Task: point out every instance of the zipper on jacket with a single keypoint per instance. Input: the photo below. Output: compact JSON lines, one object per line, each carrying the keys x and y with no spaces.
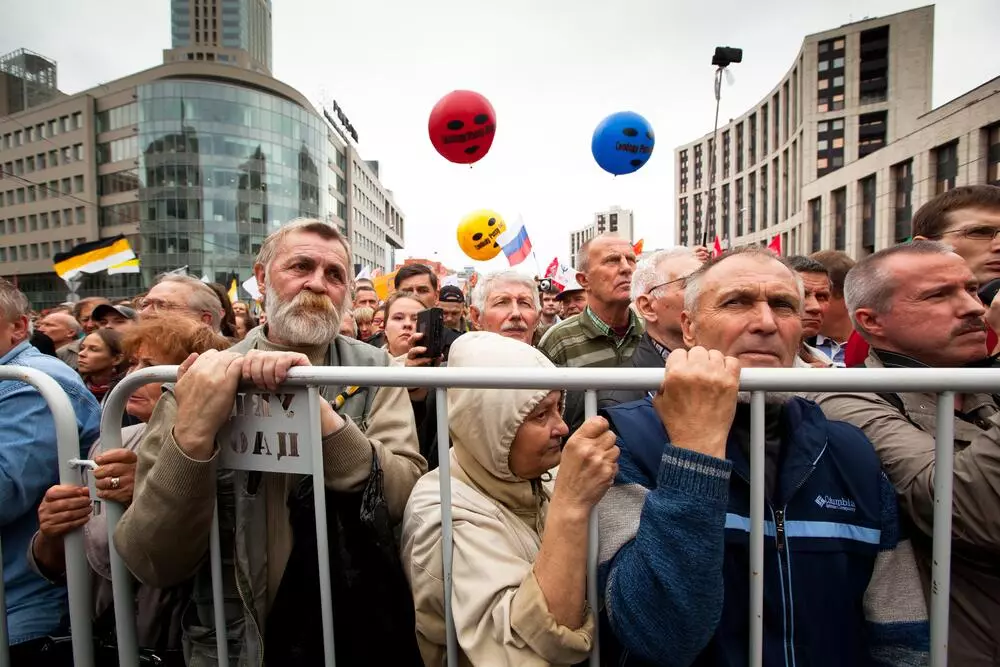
{"x":246,"y":608}
{"x":779,"y":529}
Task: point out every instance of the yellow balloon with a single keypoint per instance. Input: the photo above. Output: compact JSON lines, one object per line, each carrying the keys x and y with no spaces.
{"x":479,"y":233}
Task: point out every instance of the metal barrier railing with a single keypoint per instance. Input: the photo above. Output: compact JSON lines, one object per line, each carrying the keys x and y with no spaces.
{"x":77,"y":568}
{"x":758,"y":381}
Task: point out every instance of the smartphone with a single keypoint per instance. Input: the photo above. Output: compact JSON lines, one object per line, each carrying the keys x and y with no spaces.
{"x":989,"y":291}
{"x":430,"y":323}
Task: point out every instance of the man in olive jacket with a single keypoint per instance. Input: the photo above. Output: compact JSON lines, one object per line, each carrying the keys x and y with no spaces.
{"x":916,"y":306}
{"x":164,"y":534}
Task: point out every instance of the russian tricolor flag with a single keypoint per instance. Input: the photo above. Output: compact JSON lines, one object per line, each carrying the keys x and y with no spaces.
{"x":517,"y":247}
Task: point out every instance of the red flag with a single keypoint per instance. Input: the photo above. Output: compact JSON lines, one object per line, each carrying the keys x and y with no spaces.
{"x":637,"y":248}
{"x":717,"y":248}
{"x":553,"y":267}
{"x":775,"y":245}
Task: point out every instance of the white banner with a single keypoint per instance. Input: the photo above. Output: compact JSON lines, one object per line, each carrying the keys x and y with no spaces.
{"x":270,"y":432}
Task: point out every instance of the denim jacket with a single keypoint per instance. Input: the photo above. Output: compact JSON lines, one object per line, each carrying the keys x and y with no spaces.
{"x":28,"y":467}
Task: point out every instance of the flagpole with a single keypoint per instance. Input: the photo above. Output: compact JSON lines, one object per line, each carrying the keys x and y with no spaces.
{"x":538,"y":268}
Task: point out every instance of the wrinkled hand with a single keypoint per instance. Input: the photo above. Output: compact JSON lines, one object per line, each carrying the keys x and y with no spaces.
{"x":120,"y":464}
{"x":65,"y":507}
{"x":268,"y":370}
{"x":702,"y":253}
{"x":588,"y":466}
{"x":205,"y":392}
{"x":697,"y":399}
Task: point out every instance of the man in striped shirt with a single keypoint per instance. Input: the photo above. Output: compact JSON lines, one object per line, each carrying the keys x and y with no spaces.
{"x":606,"y":333}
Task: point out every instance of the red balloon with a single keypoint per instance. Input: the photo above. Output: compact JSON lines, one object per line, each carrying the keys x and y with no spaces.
{"x":462,"y":125}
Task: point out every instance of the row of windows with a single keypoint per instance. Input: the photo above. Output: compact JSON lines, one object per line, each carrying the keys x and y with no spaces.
{"x":114,"y":119}
{"x":42,"y":131}
{"x":32,"y":163}
{"x":41,"y":191}
{"x":126,"y":148}
{"x":42,"y":221}
{"x":43,"y":250}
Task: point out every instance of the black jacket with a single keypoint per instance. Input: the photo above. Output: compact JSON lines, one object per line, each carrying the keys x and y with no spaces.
{"x":645,"y":356}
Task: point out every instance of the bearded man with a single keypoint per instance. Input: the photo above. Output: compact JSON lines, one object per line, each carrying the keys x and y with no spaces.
{"x":164,"y":535}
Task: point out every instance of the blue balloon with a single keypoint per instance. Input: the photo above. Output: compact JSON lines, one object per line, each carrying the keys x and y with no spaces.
{"x":622,"y":143}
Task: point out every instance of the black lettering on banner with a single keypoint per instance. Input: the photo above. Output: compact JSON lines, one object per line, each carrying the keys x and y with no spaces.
{"x":288,"y":444}
{"x":239,"y":443}
{"x":262,"y":405}
{"x":463,"y":137}
{"x":260,"y":445}
{"x":490,"y":238}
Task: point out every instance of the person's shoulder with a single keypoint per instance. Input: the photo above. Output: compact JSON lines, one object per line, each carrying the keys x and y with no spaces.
{"x":556,"y":335}
{"x":353,"y":352}
{"x":843,"y":439}
{"x":51,"y":366}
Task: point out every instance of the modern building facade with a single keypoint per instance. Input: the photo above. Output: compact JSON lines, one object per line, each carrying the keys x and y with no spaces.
{"x":234,"y":32}
{"x":844,"y":148}
{"x":375,"y":224}
{"x":27,"y":79}
{"x":194,"y":162}
{"x":614,"y":220}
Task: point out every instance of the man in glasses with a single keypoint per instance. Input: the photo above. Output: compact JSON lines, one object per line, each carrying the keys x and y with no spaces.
{"x":184,"y":296}
{"x":658,"y":298}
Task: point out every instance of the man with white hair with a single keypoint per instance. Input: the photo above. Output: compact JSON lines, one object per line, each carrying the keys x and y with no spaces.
{"x":302,"y":269}
{"x":64,"y":330}
{"x":184,"y":296}
{"x":506,"y":302}
{"x":675,"y":527}
{"x":29,"y":465}
{"x":658,"y":297}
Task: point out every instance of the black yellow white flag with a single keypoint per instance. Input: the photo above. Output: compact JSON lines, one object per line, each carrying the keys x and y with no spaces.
{"x":93,"y":257}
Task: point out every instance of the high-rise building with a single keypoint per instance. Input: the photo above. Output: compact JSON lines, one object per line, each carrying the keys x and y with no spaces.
{"x":236,"y":32}
{"x":615,"y":220}
{"x":195,"y":162}
{"x":843,"y":150}
{"x":27,"y":80}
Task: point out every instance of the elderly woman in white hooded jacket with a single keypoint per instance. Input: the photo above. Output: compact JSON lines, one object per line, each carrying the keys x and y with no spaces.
{"x":519,"y":567}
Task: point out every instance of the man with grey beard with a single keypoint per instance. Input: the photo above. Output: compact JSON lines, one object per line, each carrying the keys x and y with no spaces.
{"x":674,"y":561}
{"x":367,"y":433}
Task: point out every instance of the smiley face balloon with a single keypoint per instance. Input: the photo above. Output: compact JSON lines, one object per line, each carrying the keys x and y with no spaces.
{"x":478,"y":234}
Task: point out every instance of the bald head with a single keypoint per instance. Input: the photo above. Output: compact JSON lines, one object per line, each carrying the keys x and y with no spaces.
{"x":62,"y":328}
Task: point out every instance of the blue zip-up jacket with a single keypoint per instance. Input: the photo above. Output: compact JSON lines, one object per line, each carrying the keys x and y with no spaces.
{"x":28,"y":467}
{"x":675,"y":552}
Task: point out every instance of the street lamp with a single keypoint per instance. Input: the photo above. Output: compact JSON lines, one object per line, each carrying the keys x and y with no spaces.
{"x":723,"y":58}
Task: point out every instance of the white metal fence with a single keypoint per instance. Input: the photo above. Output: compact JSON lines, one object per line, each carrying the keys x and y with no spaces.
{"x":304,"y":383}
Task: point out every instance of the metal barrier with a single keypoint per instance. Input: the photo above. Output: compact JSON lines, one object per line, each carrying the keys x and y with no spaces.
{"x":77,"y":568}
{"x":758,"y":381}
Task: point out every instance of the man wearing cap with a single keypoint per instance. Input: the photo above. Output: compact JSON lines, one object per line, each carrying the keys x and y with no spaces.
{"x":119,"y":318}
{"x":573,"y":299}
{"x":451,"y":301}
{"x":548,"y":316}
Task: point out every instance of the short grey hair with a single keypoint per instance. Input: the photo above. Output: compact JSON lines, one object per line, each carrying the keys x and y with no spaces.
{"x":869,"y":285}
{"x":13,"y":303}
{"x":326,"y":230}
{"x":491,"y":281}
{"x":648,"y":272}
{"x":583,"y":254}
{"x":692,"y":290}
{"x":202,"y":299}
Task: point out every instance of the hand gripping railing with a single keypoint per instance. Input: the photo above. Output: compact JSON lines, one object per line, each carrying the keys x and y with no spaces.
{"x":758,"y":381}
{"x":77,"y":569}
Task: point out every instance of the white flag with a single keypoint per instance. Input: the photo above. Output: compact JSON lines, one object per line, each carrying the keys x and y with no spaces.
{"x":450,"y":280}
{"x":250,"y":286}
{"x":364,"y":274}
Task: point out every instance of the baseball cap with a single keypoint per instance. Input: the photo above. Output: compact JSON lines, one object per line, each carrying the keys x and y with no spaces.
{"x":451,"y":294}
{"x":105,"y":309}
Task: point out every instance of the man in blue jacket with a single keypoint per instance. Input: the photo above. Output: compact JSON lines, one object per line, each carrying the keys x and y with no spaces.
{"x":29,"y":465}
{"x":675,"y":528}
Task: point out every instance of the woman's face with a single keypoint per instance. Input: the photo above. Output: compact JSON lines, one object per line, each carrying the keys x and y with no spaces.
{"x":95,"y":357}
{"x":378,"y":321}
{"x":537,"y":444}
{"x":365,"y":330}
{"x":401,"y":324}
{"x":239,"y":308}
{"x":142,"y":401}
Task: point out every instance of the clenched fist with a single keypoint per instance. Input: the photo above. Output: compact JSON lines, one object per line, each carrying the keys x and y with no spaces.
{"x":589,"y":465}
{"x":697,"y":399}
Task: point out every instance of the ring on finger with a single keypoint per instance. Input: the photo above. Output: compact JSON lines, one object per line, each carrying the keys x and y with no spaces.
{"x":116,"y":482}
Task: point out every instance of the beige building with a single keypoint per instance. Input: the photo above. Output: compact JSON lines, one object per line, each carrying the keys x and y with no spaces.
{"x":614,"y":220}
{"x":843,"y":150}
{"x":375,"y":224}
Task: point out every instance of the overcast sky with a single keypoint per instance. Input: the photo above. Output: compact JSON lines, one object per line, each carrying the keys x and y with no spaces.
{"x":552,"y":69}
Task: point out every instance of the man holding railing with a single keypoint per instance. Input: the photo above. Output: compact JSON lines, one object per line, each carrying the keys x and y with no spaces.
{"x":675,"y":557}
{"x":916,"y":306}
{"x":164,"y":535}
{"x":29,"y":465}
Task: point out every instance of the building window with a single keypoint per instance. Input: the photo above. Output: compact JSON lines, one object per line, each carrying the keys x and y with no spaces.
{"x":725,"y":210}
{"x":752,"y":146}
{"x":725,"y":154}
{"x":763,"y":132}
{"x":739,"y":206}
{"x":946,"y":163}
{"x":830,"y":75}
{"x":902,"y":177}
{"x":816,"y":223}
{"x":78,"y":184}
{"x":697,"y":219}
{"x":682,"y":169}
{"x":829,"y":146}
{"x":684,"y":222}
{"x":872,"y":129}
{"x":739,"y":147}
{"x":868,"y":202}
{"x":763,"y":197}
{"x":697,"y":167}
{"x":993,"y":154}
{"x":752,"y":203}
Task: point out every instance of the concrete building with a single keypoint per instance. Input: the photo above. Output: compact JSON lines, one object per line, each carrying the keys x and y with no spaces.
{"x":615,"y":219}
{"x":843,"y":150}
{"x":27,"y":79}
{"x":234,"y":32}
{"x":195,"y":162}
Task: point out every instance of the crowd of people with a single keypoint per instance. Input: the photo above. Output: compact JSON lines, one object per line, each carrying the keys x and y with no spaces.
{"x":849,"y":476}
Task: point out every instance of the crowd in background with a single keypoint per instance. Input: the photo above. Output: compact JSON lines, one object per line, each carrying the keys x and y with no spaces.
{"x":848,"y":475}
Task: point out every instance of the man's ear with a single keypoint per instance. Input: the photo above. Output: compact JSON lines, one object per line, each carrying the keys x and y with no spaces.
{"x":688,"y":329}
{"x":474,"y":315}
{"x":643,"y":306}
{"x":868,"y":320}
{"x":258,"y":272}
{"x":581,"y":279}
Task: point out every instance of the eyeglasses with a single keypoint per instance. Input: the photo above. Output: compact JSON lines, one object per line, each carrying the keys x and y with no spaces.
{"x":669,"y":282}
{"x":979,"y":233}
{"x":160,"y":305}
